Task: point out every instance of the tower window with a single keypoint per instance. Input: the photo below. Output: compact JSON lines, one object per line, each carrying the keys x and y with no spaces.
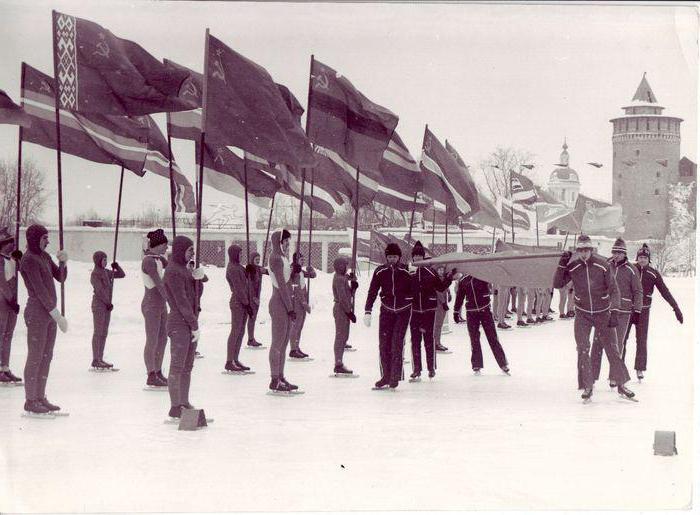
{"x":656,"y":191}
{"x":647,"y":123}
{"x":648,"y":212}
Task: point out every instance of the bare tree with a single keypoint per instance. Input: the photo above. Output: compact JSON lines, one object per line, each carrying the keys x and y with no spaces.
{"x":33,"y":193}
{"x":495,"y":169}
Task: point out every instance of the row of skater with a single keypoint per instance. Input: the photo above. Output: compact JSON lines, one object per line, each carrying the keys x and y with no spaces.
{"x":531,"y":306}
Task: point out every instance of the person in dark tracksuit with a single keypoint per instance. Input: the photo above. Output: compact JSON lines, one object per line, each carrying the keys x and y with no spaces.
{"x":281,"y":308}
{"x":301,"y":303}
{"x":182,"y":323}
{"x":102,"y":280}
{"x":425,"y":284}
{"x":241,"y":308}
{"x":255,"y":273}
{"x":9,"y":308}
{"x":41,"y":315}
{"x":628,"y":284}
{"x":392,"y":282}
{"x":476,"y":296}
{"x":597,"y":301}
{"x":443,"y":297}
{"x":153,"y":306}
{"x":344,"y":287}
{"x":650,"y":279}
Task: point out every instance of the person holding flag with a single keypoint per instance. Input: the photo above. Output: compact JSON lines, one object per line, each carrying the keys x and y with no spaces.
{"x":254,"y":272}
{"x":153,"y":306}
{"x":102,"y":281}
{"x":301,"y":303}
{"x":9,"y":308}
{"x":240,"y":306}
{"x":344,"y":287}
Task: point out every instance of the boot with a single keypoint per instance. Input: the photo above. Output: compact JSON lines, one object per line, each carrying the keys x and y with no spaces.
{"x":232,"y":367}
{"x":288,"y":384}
{"x":381,"y":383}
{"x":340,"y":369}
{"x":97,"y":363}
{"x":175,"y":411}
{"x":431,"y":373}
{"x":241,"y":366}
{"x":12,"y":377}
{"x":441,"y":348}
{"x":163,"y":380}
{"x":153,"y":379}
{"x":278,"y":386}
{"x":415,"y":374}
{"x":296,"y":354}
{"x":105,"y":364}
{"x":4,"y":378}
{"x":35,"y":407}
{"x":587,"y":393}
{"x":625,"y":392}
{"x":254,"y":343}
{"x":48,"y":405}
{"x":640,"y":374}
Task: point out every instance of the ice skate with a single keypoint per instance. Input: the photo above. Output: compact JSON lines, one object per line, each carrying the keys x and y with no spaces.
{"x":241,"y":366}
{"x":415,"y":377}
{"x":381,"y":384}
{"x":163,"y":380}
{"x":198,"y":355}
{"x":477,"y":371}
{"x":393,"y":385}
{"x":17,"y":381}
{"x":442,"y":349}
{"x":35,"y":409}
{"x":431,"y":373}
{"x":153,"y":383}
{"x":292,"y":387}
{"x":234,"y":368}
{"x":522,"y":324}
{"x":255,"y":345}
{"x":626,"y":393}
{"x":612,"y":384}
{"x":298,"y":355}
{"x":5,"y":380}
{"x":342,"y":371}
{"x":56,"y":410}
{"x":640,"y":375}
{"x":586,"y":395}
{"x":547,"y":318}
{"x":503,"y":326}
{"x":506,"y":370}
{"x":349,"y":348}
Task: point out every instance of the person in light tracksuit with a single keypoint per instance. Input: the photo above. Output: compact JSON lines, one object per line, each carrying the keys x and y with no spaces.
{"x":300,"y":298}
{"x":153,"y":306}
{"x":102,"y":281}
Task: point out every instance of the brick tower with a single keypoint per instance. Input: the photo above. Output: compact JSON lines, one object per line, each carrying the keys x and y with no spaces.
{"x":646,"y":152}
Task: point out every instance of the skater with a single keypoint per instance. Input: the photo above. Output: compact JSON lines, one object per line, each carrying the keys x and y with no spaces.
{"x":425,"y":284}
{"x":392,"y":282}
{"x":301,"y":303}
{"x":502,"y":298}
{"x":542,"y":305}
{"x":343,"y":313}
{"x":650,"y":278}
{"x":597,"y":301}
{"x":41,"y":315}
{"x":443,"y":297}
{"x":566,"y":301}
{"x":9,"y":308}
{"x":476,"y":296}
{"x":240,"y":306}
{"x":153,"y":306}
{"x":102,"y":280}
{"x":182,"y":325}
{"x":281,"y":309}
{"x":629,"y":285}
{"x":254,"y":272}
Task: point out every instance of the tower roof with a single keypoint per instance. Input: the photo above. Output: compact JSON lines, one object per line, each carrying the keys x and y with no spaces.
{"x":644,"y":92}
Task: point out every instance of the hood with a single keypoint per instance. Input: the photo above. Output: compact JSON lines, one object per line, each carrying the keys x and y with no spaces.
{"x":340,"y":265}
{"x":34,"y":234}
{"x":276,"y":239}
{"x":234,"y":254}
{"x":97,"y":258}
{"x":253,"y":255}
{"x":180,"y":246}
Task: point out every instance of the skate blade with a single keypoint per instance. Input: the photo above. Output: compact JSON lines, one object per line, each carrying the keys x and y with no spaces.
{"x":262,"y":347}
{"x":239,"y":373}
{"x":102,"y":370}
{"x":285,"y":394}
{"x":155,"y":388}
{"x":345,"y":376}
{"x":29,"y":414}
{"x":384,"y":389}
{"x":587,"y":401}
{"x":415,"y":380}
{"x":300,"y":359}
{"x":175,"y":420}
{"x":444,"y":351}
{"x":12,"y":384}
{"x":199,"y":356}
{"x":629,"y":399}
{"x":351,"y":350}
{"x":524,"y":326}
{"x":60,"y":413}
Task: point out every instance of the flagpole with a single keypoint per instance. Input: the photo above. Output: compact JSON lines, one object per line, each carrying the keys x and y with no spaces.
{"x":461,"y":229}
{"x":357,"y":212}
{"x":311,"y":230}
{"x":493,"y":239}
{"x":267,"y":235}
{"x":116,"y":231}
{"x":247,"y":219}
{"x":537,"y":226}
{"x":434,"y":222}
{"x":369,"y":259}
{"x":413,"y":213}
{"x":202,"y":141}
{"x":19,"y":185}
{"x":172,"y":182}
{"x":445,"y":231}
{"x":512,"y":208}
{"x":59,"y":175}
{"x":301,"y":207}
{"x":303,"y":170}
{"x":566,"y":238}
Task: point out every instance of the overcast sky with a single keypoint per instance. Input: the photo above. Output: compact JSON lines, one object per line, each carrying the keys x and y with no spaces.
{"x":524,"y":76}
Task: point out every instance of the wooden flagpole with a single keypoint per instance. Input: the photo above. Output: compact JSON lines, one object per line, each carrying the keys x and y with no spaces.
{"x":566,"y":238}
{"x":357,"y":213}
{"x":245,"y":193}
{"x":537,"y":226}
{"x":303,"y":170}
{"x":311,"y":230}
{"x":267,"y":234}
{"x":18,"y":217}
{"x":493,"y":239}
{"x":172,"y":182}
{"x":202,"y":142}
{"x":433,"y":224}
{"x":116,"y":229}
{"x":512,"y":207}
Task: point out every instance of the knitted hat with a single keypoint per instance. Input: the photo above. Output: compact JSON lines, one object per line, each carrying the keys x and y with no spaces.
{"x":5,"y":237}
{"x":619,"y":246}
{"x":644,"y":251}
{"x":285,"y":235}
{"x":156,"y":238}
{"x":392,"y":250}
{"x":584,"y":242}
{"x":418,"y":250}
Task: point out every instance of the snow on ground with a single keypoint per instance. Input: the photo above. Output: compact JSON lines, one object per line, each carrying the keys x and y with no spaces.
{"x":457,"y":442}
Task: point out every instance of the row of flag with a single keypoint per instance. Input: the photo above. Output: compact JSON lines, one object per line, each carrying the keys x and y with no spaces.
{"x":248,"y":135}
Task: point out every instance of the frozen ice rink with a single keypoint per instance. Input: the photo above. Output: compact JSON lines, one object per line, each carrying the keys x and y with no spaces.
{"x":458,"y":442}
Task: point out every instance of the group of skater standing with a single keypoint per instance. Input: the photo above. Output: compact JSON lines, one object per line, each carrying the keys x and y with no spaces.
{"x":610,"y":296}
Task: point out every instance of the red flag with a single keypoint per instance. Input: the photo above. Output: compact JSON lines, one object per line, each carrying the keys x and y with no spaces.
{"x":11,"y":113}
{"x":335,"y":175}
{"x":401,"y":178}
{"x":243,"y":108}
{"x":343,"y":120}
{"x":187,"y":124}
{"x":522,"y":189}
{"x":101,"y":73}
{"x":520,"y":214}
{"x":320,"y":201}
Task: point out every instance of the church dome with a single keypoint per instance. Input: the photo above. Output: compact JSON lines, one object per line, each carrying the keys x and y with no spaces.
{"x":564,"y":175}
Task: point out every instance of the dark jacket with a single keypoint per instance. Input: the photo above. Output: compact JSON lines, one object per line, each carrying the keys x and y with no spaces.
{"x":180,"y":288}
{"x":393,"y":285}
{"x":8,"y":281}
{"x":237,"y":278}
{"x":628,"y":284}
{"x":475,"y":293}
{"x":254,"y":273}
{"x":101,"y":280}
{"x":651,"y":278}
{"x":594,"y":287}
{"x":39,"y":272}
{"x":425,"y":284}
{"x":342,"y":293}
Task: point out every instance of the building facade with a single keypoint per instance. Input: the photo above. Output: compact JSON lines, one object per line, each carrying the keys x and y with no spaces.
{"x":646,"y":155}
{"x":563,"y":182}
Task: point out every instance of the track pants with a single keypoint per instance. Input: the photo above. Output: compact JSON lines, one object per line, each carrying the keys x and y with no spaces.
{"x":392,"y":330}
{"x":8,"y":321}
{"x":342,"y":332}
{"x":583,"y":324}
{"x":182,"y":350}
{"x":251,"y":322}
{"x":484,"y":318}
{"x":422,"y":327}
{"x":156,"y":335}
{"x":297,"y":327}
{"x":100,"y":320}
{"x":239,"y":316}
{"x":41,"y":337}
{"x":281,"y":328}
{"x":437,"y":326}
{"x":640,"y":332}
{"x":618,"y":336}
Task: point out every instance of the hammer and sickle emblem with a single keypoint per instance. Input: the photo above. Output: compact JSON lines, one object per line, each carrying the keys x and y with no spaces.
{"x":219,"y":156}
{"x":45,"y":87}
{"x":102,"y":47}
{"x":190,"y":89}
{"x":321,"y":81}
{"x":218,"y":67}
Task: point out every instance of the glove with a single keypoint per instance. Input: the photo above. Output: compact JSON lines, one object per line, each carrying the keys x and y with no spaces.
{"x":613,"y":319}
{"x":198,"y":274}
{"x":110,"y":307}
{"x":249,"y":310}
{"x":16,"y":255}
{"x":195,"y":335}
{"x":565,"y":258}
{"x":13,"y":306}
{"x":354,"y":285}
{"x":115,"y":266}
{"x":351,"y":317}
{"x":60,"y":320}
{"x":634,"y":317}
{"x":296,"y":268}
{"x":367,"y":319}
{"x":62,"y":256}
{"x":445,"y":306}
{"x":307,"y":308}
{"x":451,"y":275}
{"x":310,"y":270}
{"x":292,"y":315}
{"x":679,"y":315}
{"x":250,"y":270}
{"x":455,"y":317}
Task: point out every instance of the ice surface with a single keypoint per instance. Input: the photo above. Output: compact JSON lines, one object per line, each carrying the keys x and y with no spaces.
{"x":456,"y":442}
